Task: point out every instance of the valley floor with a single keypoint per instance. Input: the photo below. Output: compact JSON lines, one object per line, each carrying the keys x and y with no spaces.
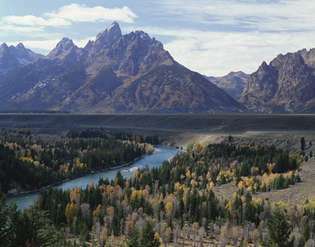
{"x":295,"y":194}
{"x":299,"y":192}
{"x":236,"y":215}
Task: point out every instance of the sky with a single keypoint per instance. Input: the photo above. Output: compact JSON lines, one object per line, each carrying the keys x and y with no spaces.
{"x":212,"y":37}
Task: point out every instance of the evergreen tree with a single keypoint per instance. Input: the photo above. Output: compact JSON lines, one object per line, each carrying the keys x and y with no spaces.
{"x":6,"y":226}
{"x":303,"y":145}
{"x":119,"y":180}
{"x":279,"y":228}
{"x":133,"y":240}
{"x":148,"y":237}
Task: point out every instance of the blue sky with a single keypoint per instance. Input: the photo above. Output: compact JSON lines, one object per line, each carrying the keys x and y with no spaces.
{"x":212,"y":37}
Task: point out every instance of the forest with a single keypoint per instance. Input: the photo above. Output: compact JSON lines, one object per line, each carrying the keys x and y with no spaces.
{"x":29,"y":161}
{"x":175,"y":205}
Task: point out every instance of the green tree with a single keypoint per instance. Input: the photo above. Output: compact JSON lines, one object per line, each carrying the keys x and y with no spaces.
{"x":133,"y":241}
{"x":148,"y":237}
{"x":119,"y":180}
{"x":303,"y":145}
{"x":6,"y":225}
{"x":279,"y":228}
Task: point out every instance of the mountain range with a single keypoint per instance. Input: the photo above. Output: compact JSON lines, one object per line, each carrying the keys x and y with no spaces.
{"x":115,"y":73}
{"x":133,"y":73}
{"x":12,"y":57}
{"x":286,"y":84}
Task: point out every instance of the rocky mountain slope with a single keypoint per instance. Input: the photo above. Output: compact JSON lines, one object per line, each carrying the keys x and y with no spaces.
{"x":114,"y":73}
{"x":233,"y":83}
{"x":12,"y":57}
{"x":287,"y":84}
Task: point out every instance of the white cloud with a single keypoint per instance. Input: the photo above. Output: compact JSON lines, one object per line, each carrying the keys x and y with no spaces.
{"x":277,"y":15}
{"x":66,"y":16}
{"x":5,"y":28}
{"x":218,"y":53}
{"x":82,"y":13}
{"x":250,"y":31}
{"x":282,"y":15}
{"x":34,"y":21}
{"x":211,"y":53}
{"x":228,"y":35}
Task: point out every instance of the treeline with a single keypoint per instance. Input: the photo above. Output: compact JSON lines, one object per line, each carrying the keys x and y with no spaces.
{"x":29,"y":161}
{"x":103,"y":133}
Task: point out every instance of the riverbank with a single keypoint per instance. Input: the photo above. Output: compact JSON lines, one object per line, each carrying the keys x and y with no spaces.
{"x":156,"y":159}
{"x":12,"y":195}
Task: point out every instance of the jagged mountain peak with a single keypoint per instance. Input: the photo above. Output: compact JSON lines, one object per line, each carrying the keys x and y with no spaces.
{"x":18,"y":50}
{"x":109,"y":36}
{"x":88,"y":45}
{"x":4,"y":46}
{"x":132,"y":54}
{"x":114,"y":27}
{"x":264,"y":69}
{"x":12,"y":57}
{"x":287,"y":84}
{"x":308,"y":56}
{"x":263,"y":66}
{"x":143,"y":37}
{"x":64,"y":47}
{"x":114,"y":73}
{"x":65,"y":43}
{"x":20,"y":46}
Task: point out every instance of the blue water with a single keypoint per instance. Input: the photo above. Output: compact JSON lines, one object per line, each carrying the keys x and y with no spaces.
{"x":156,"y":159}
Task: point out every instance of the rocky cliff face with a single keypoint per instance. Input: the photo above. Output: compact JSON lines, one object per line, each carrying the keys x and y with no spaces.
{"x":114,"y":73}
{"x":287,"y":84}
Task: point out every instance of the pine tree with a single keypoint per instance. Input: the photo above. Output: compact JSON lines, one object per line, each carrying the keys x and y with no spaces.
{"x":119,"y":180}
{"x":133,"y":241}
{"x":6,"y":225}
{"x":148,"y":237}
{"x":303,"y":144}
{"x":279,"y":228}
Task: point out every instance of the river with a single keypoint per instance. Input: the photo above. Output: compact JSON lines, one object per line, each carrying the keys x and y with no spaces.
{"x":156,"y":159}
